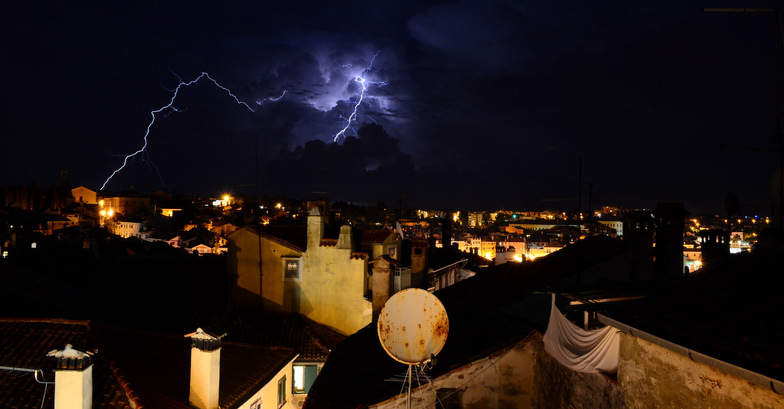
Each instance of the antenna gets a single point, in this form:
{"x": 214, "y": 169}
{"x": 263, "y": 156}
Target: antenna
{"x": 412, "y": 328}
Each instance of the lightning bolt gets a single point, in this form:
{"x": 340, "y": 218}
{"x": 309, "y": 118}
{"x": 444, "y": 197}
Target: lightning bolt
{"x": 169, "y": 108}
{"x": 272, "y": 99}
{"x": 364, "y": 83}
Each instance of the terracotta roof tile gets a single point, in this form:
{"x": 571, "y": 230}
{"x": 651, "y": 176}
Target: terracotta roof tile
{"x": 311, "y": 340}
{"x": 157, "y": 366}
{"x": 132, "y": 368}
{"x": 328, "y": 242}
{"x": 25, "y": 345}
{"x": 371, "y": 236}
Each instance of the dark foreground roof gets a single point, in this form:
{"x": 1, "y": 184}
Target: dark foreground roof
{"x": 25, "y": 344}
{"x": 731, "y": 311}
{"x": 484, "y": 317}
{"x": 312, "y": 341}
{"x": 156, "y": 367}
{"x": 132, "y": 368}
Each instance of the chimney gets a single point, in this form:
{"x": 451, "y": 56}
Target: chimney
{"x": 315, "y": 228}
{"x": 419, "y": 263}
{"x": 382, "y": 282}
{"x": 670, "y": 222}
{"x": 344, "y": 240}
{"x": 73, "y": 379}
{"x": 205, "y": 370}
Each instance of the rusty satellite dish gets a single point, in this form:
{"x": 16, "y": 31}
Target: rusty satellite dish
{"x": 413, "y": 326}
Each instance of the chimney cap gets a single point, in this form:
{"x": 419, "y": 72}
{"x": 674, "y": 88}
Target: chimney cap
{"x": 204, "y": 341}
{"x": 386, "y": 258}
{"x": 70, "y": 358}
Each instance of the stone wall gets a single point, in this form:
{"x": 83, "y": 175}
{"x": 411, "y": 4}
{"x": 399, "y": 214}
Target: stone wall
{"x": 651, "y": 376}
{"x": 556, "y": 386}
{"x": 501, "y": 381}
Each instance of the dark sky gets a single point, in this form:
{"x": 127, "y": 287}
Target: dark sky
{"x": 469, "y": 104}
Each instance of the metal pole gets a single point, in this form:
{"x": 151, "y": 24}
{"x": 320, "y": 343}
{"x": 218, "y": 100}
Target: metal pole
{"x": 408, "y": 396}
{"x": 258, "y": 233}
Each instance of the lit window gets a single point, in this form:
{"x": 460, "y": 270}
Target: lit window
{"x": 281, "y": 391}
{"x": 303, "y": 378}
{"x": 292, "y": 268}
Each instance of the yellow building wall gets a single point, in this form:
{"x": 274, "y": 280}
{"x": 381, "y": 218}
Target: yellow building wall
{"x": 269, "y": 393}
{"x": 243, "y": 261}
{"x": 333, "y": 287}
{"x": 86, "y": 195}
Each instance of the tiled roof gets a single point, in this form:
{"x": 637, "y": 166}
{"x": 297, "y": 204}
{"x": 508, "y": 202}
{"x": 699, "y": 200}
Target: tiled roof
{"x": 310, "y": 340}
{"x": 295, "y": 236}
{"x": 359, "y": 255}
{"x": 372, "y": 236}
{"x": 132, "y": 368}
{"x": 25, "y": 344}
{"x": 156, "y": 367}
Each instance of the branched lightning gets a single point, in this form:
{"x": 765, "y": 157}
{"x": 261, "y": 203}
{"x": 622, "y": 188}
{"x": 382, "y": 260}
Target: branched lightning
{"x": 271, "y": 99}
{"x": 170, "y": 108}
{"x": 363, "y": 84}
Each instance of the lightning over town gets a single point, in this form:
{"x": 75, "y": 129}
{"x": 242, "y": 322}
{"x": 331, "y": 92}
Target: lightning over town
{"x": 448, "y": 204}
{"x": 169, "y": 108}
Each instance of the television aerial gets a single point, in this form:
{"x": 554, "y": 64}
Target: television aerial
{"x": 412, "y": 328}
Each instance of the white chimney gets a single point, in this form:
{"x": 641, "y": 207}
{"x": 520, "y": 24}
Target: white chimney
{"x": 344, "y": 240}
{"x": 205, "y": 370}
{"x": 315, "y": 228}
{"x": 73, "y": 379}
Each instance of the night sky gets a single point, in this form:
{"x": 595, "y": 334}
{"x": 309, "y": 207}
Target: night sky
{"x": 469, "y": 104}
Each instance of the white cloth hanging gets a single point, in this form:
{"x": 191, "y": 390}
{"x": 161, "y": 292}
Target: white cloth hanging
{"x": 581, "y": 350}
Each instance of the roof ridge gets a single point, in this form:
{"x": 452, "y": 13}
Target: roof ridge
{"x": 47, "y": 320}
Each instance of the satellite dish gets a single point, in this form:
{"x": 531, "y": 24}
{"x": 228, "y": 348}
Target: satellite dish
{"x": 413, "y": 326}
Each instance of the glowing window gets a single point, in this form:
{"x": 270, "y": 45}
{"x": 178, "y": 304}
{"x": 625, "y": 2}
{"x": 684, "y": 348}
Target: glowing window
{"x": 303, "y": 378}
{"x": 292, "y": 268}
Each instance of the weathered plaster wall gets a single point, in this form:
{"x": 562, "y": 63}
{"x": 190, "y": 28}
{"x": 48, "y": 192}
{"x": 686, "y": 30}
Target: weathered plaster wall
{"x": 651, "y": 376}
{"x": 333, "y": 289}
{"x": 243, "y": 261}
{"x": 502, "y": 381}
{"x": 556, "y": 386}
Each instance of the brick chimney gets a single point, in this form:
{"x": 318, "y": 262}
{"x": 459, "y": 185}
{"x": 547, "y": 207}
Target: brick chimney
{"x": 73, "y": 379}
{"x": 419, "y": 263}
{"x": 205, "y": 370}
{"x": 382, "y": 282}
